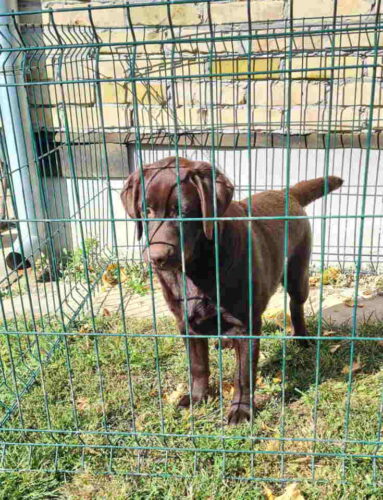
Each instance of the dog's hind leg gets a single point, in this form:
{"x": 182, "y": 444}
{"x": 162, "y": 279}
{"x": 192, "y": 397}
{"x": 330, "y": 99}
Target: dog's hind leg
{"x": 298, "y": 288}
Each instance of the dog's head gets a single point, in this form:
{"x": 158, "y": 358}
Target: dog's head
{"x": 161, "y": 194}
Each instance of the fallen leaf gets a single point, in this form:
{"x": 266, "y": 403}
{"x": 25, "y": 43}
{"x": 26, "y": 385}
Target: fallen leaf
{"x": 302, "y": 460}
{"x": 260, "y": 382}
{"x": 331, "y": 275}
{"x": 328, "y": 333}
{"x": 98, "y": 408}
{"x": 356, "y": 366}
{"x": 82, "y": 404}
{"x": 92, "y": 451}
{"x": 174, "y": 396}
{"x": 266, "y": 427}
{"x": 140, "y": 421}
{"x": 314, "y": 280}
{"x": 227, "y": 390}
{"x": 335, "y": 348}
{"x": 123, "y": 275}
{"x": 262, "y": 356}
{"x": 277, "y": 378}
{"x": 106, "y": 312}
{"x": 291, "y": 493}
{"x": 278, "y": 317}
{"x": 85, "y": 328}
{"x": 268, "y": 493}
{"x": 272, "y": 445}
{"x": 349, "y": 302}
{"x": 110, "y": 276}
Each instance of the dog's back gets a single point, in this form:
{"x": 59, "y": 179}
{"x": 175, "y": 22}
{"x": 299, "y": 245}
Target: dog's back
{"x": 269, "y": 230}
{"x": 273, "y": 202}
{"x": 268, "y": 204}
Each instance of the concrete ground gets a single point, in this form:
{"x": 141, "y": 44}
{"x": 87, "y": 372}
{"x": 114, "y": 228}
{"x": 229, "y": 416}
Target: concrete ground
{"x": 46, "y": 298}
{"x": 43, "y": 298}
{"x": 336, "y": 305}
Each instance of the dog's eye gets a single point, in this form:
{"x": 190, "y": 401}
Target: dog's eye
{"x": 149, "y": 211}
{"x": 173, "y": 212}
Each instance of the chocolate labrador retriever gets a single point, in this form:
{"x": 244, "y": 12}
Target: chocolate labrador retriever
{"x": 163, "y": 250}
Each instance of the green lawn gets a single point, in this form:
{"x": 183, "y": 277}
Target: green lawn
{"x": 109, "y": 386}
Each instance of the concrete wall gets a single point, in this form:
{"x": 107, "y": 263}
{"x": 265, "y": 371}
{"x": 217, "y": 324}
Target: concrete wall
{"x": 342, "y": 235}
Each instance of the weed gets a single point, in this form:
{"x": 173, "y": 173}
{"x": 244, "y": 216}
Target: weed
{"x": 137, "y": 280}
{"x": 83, "y": 263}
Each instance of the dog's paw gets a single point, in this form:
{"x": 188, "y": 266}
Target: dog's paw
{"x": 184, "y": 401}
{"x": 238, "y": 413}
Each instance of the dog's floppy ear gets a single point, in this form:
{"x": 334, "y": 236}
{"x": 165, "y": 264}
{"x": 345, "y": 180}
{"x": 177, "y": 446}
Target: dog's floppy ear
{"x": 201, "y": 176}
{"x": 130, "y": 196}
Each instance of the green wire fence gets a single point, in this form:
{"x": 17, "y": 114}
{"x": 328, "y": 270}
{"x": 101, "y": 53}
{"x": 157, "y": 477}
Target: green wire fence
{"x": 90, "y": 358}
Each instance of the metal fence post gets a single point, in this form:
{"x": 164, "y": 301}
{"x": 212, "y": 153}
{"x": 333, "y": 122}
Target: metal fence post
{"x": 18, "y": 143}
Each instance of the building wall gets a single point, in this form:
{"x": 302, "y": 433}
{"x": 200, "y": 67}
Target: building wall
{"x": 237, "y": 100}
{"x": 266, "y": 168}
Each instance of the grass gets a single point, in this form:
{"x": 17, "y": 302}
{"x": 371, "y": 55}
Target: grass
{"x": 128, "y": 387}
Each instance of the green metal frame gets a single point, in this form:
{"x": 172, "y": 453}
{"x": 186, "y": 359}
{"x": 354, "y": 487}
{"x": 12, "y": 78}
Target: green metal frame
{"x": 32, "y": 337}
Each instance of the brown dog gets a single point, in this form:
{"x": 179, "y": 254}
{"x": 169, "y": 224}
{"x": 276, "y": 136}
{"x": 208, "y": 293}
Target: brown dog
{"x": 267, "y": 260}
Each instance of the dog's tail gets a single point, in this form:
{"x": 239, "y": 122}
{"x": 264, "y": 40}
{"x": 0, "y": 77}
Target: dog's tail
{"x": 307, "y": 191}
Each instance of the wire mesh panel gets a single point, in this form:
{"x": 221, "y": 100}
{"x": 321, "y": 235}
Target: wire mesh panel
{"x": 92, "y": 363}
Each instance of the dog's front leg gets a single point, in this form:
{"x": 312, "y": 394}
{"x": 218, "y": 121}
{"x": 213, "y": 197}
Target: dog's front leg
{"x": 198, "y": 354}
{"x": 247, "y": 352}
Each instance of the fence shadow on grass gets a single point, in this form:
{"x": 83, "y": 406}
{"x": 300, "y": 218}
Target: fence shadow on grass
{"x": 327, "y": 358}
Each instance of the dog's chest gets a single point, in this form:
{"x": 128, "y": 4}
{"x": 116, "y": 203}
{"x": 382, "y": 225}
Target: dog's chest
{"x": 201, "y": 306}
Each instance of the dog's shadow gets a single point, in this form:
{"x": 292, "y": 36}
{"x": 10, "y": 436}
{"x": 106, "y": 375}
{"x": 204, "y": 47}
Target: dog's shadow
{"x": 323, "y": 360}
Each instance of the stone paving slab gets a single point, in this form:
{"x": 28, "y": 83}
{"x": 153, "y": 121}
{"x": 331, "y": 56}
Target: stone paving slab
{"x": 335, "y": 305}
{"x": 45, "y": 299}
{"x": 48, "y": 298}
{"x": 135, "y": 306}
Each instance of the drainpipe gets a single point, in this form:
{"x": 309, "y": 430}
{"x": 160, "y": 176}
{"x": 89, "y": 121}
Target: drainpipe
{"x": 18, "y": 143}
